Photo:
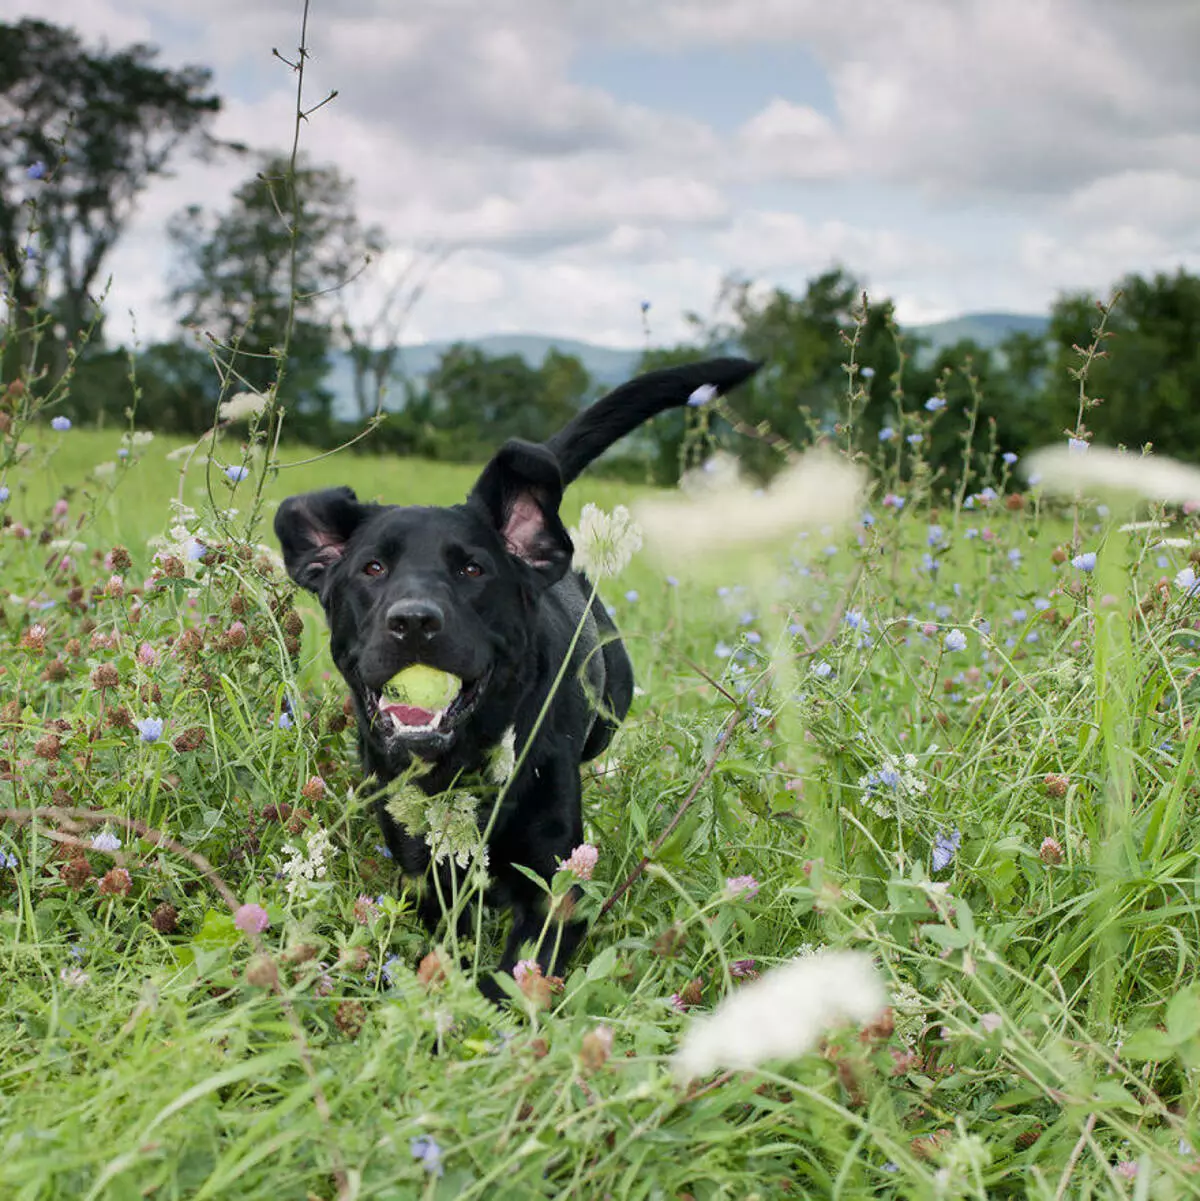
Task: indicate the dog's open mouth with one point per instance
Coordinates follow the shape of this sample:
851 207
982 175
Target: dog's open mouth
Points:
427 710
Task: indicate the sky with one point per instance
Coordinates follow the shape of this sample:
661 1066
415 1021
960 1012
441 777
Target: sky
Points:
548 166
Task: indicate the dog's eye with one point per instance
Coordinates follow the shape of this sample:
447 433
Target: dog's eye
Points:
374 567
472 569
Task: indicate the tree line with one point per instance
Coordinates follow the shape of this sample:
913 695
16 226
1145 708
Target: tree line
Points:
286 262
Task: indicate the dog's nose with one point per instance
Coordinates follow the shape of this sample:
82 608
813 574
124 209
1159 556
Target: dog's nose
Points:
413 618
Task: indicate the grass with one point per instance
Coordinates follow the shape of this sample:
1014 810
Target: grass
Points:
1045 1024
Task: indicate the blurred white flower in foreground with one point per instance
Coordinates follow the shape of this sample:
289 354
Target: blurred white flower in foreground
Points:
716 511
244 404
783 1013
1153 476
605 542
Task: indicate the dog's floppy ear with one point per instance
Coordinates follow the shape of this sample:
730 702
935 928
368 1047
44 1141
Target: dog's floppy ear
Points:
519 493
313 530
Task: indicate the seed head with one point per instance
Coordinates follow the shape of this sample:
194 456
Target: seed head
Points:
117 882
1050 852
105 676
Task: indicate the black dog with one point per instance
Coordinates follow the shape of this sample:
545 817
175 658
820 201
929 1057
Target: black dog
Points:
484 590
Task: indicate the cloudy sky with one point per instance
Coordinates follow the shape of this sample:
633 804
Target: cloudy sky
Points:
582 156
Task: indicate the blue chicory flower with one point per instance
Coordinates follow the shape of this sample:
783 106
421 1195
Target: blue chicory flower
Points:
1085 561
956 640
61 424
150 728
236 473
944 848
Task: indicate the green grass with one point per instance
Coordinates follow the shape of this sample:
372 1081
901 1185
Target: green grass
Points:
1046 1017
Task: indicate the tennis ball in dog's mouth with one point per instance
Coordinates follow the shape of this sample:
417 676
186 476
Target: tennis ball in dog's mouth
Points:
423 687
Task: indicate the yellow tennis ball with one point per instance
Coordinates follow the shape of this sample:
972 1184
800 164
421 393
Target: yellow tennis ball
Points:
423 687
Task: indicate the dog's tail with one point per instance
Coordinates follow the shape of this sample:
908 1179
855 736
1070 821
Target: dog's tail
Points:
589 435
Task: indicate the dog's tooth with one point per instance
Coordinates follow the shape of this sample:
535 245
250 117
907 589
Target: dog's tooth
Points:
437 719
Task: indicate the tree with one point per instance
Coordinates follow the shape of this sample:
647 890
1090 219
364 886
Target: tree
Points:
371 312
81 135
471 402
270 265
1149 380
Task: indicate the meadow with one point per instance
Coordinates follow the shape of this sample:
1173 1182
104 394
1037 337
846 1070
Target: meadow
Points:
955 734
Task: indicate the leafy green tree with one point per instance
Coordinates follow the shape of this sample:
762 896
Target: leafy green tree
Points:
1149 381
472 401
82 132
266 268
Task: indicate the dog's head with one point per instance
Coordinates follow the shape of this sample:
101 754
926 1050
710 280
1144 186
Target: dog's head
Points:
452 588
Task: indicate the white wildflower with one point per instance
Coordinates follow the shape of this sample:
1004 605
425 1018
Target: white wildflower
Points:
783 1013
822 489
67 546
1136 527
73 977
103 471
106 840
141 438
307 865
1173 543
181 452
503 757
605 542
1153 476
241 406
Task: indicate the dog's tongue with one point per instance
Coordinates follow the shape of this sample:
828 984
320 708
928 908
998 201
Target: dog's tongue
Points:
408 715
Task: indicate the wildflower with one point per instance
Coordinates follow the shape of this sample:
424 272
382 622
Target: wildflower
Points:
672 582
524 968
147 656
61 424
892 501
596 1047
1085 561
73 977
9 860
605 542
739 886
821 489
1077 446
391 970
956 640
991 1022
150 728
581 862
36 170
821 669
251 919
364 909
244 404
503 757
164 918
887 434
935 404
944 847
4 493
285 720
1050 852
236 473
1187 581
1127 1168
1056 785
915 439
1014 556
702 395
632 595
783 1013
305 866
743 969
116 883
867 373
105 841
936 535
427 1153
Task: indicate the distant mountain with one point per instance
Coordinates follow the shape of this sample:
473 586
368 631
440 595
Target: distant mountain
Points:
987 329
609 365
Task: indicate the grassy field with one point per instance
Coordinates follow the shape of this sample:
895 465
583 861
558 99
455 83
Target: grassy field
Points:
932 737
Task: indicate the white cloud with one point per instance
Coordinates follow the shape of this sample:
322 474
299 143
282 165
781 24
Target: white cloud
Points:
993 154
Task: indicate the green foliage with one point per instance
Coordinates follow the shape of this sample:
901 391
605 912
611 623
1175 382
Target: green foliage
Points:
102 124
257 278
